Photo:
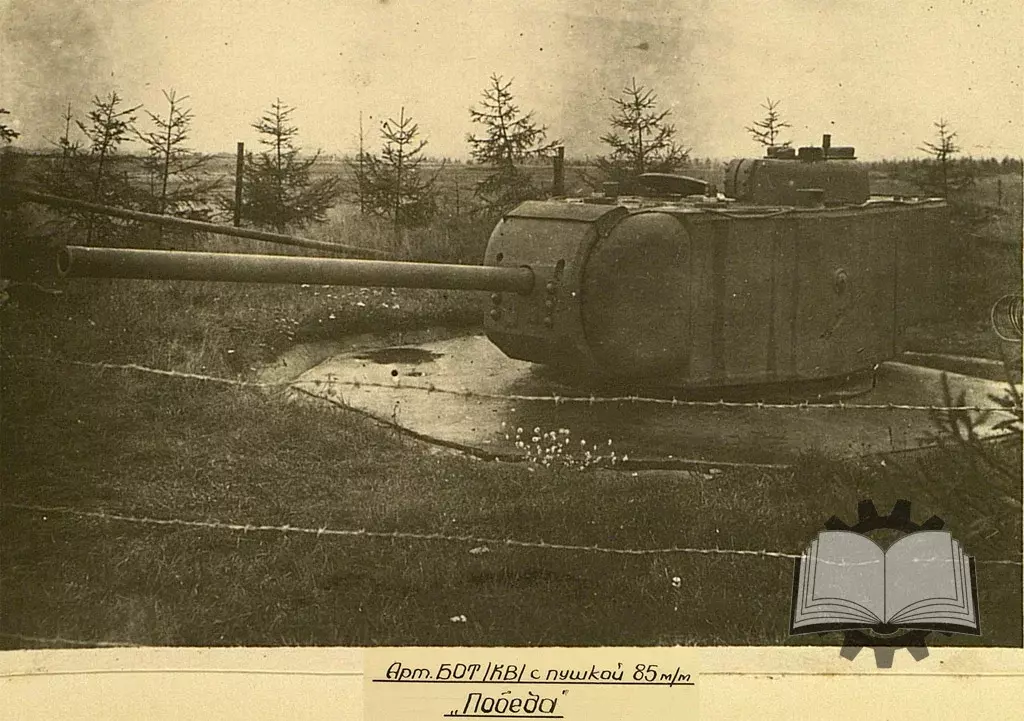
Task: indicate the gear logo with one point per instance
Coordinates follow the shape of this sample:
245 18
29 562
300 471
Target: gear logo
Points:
828 597
885 645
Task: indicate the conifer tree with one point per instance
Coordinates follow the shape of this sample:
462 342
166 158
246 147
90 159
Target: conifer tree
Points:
392 184
64 173
509 137
942 150
278 189
108 126
68 148
102 175
767 130
641 140
172 167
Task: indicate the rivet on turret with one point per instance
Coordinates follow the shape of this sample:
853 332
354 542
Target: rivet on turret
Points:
496 298
550 287
548 322
495 314
549 304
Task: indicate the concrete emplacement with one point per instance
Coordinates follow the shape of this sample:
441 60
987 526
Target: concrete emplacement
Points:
464 393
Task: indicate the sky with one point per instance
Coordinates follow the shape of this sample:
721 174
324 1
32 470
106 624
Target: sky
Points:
875 74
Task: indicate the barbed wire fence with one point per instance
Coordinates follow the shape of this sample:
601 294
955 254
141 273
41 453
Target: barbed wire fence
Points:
555 399
479 543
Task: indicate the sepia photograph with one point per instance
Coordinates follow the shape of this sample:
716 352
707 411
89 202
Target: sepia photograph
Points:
376 323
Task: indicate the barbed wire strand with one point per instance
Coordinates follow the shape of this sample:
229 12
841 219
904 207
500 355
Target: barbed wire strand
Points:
397 535
466 393
413 535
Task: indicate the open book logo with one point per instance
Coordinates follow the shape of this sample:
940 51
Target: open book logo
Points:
845 581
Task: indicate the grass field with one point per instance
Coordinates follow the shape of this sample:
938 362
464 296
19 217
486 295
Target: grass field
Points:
110 442
127 496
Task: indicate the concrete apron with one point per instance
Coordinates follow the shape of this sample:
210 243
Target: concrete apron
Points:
464 393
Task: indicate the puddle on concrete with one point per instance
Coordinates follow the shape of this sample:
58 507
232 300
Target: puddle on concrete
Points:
471 396
302 356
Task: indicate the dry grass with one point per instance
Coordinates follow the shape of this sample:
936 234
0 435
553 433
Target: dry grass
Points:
139 445
151 447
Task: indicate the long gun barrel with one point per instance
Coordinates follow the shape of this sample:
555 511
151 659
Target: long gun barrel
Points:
169 221
79 261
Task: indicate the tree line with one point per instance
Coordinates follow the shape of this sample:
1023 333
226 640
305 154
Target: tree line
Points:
280 190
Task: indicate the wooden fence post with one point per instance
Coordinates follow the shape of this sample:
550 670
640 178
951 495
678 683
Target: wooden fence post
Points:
558 186
239 168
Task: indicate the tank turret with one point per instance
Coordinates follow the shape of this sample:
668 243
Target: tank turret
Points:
793 273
